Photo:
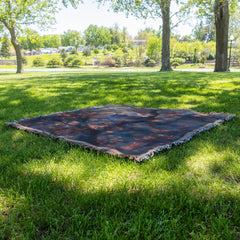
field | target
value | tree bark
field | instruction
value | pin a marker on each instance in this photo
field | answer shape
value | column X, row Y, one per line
column 221, row 12
column 17, row 48
column 165, row 8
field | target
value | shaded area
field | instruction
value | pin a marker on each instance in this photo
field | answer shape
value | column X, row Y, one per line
column 123, row 130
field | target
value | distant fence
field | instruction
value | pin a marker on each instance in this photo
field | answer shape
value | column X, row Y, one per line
column 8, row 62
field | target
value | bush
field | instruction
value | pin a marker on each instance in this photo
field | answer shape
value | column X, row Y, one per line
column 138, row 62
column 63, row 54
column 68, row 60
column 178, row 60
column 109, row 48
column 97, row 62
column 96, row 50
column 24, row 60
column 175, row 64
column 119, row 60
column 76, row 62
column 38, row 62
column 125, row 50
column 115, row 46
column 74, row 51
column 105, row 52
column 109, row 61
column 150, row 62
column 86, row 52
column 54, row 62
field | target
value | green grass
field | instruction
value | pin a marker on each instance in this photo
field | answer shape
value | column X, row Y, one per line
column 53, row 190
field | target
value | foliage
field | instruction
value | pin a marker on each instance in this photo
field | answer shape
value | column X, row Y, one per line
column 51, row 41
column 115, row 35
column 54, row 62
column 150, row 62
column 154, row 48
column 96, row 50
column 205, row 33
column 175, row 64
column 119, row 60
column 178, row 60
column 115, row 47
column 125, row 50
column 76, row 62
column 5, row 49
column 97, row 36
column 145, row 35
column 72, row 38
column 73, row 61
column 68, row 60
column 63, row 54
column 38, row 62
column 30, row 40
column 138, row 62
column 109, row 62
column 24, row 60
column 86, row 52
column 74, row 51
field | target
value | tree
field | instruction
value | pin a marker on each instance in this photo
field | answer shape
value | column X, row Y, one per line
column 97, row 36
column 144, row 9
column 72, row 38
column 115, row 35
column 31, row 41
column 5, row 50
column 234, row 25
column 205, row 32
column 154, row 48
column 124, row 35
column 221, row 10
column 15, row 15
column 51, row 41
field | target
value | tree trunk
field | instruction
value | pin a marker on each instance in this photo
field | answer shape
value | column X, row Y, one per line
column 17, row 48
column 221, row 12
column 165, row 8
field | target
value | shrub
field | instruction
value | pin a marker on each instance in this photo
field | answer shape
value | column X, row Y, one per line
column 96, row 50
column 109, row 61
column 24, row 60
column 97, row 62
column 74, row 51
column 175, row 64
column 63, row 54
column 178, row 60
column 119, row 60
column 105, row 52
column 115, row 46
column 68, row 60
column 150, row 62
column 38, row 62
column 125, row 50
column 76, row 62
column 86, row 52
column 138, row 62
column 54, row 62
column 109, row 48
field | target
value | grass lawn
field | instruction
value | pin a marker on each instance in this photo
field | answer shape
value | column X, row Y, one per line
column 53, row 190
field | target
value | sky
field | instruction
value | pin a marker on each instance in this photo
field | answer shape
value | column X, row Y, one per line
column 88, row 13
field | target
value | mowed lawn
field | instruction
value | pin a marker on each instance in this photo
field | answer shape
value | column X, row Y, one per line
column 53, row 190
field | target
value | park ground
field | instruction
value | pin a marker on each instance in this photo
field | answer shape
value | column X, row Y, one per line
column 53, row 190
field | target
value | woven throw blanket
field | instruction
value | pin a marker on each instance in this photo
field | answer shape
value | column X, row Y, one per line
column 122, row 130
